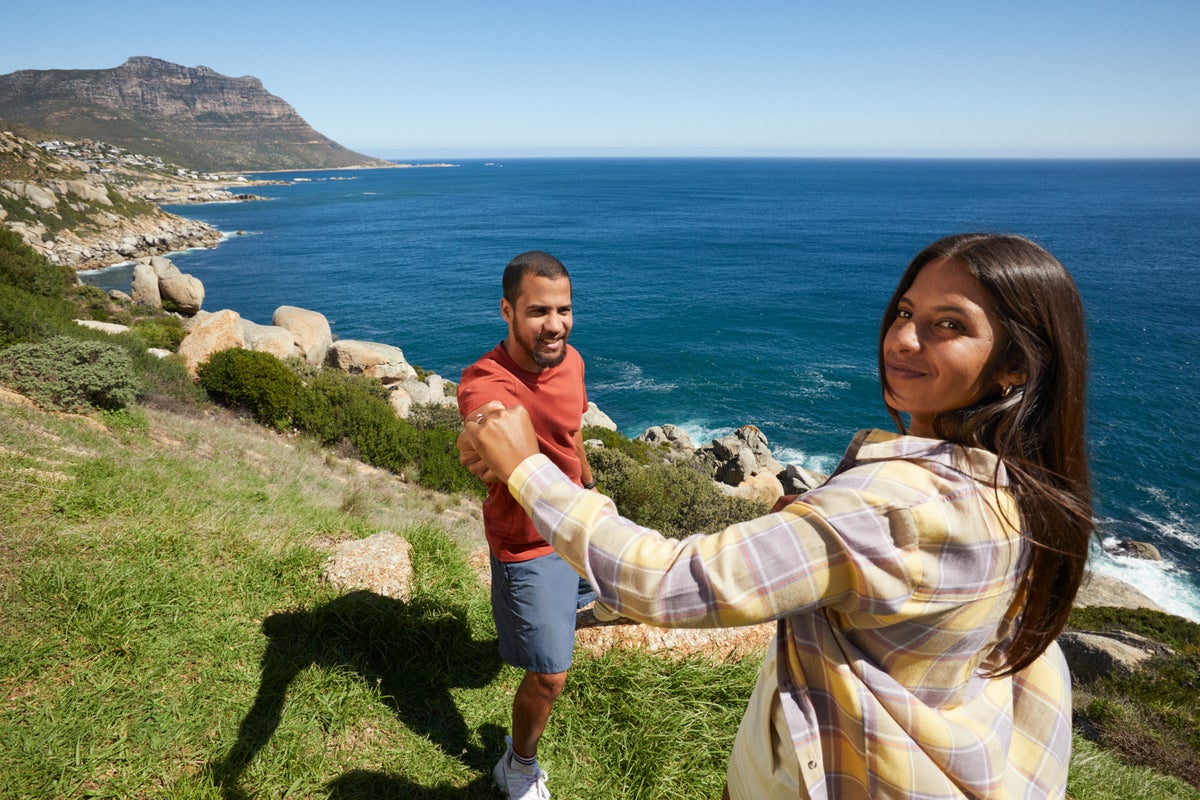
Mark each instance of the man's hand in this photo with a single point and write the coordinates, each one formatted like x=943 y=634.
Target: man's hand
x=466 y=450
x=495 y=441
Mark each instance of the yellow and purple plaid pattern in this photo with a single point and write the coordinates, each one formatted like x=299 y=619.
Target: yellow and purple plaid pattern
x=894 y=584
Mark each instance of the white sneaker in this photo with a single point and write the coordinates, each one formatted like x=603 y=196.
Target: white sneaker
x=517 y=781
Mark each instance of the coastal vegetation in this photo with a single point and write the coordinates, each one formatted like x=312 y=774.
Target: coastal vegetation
x=166 y=632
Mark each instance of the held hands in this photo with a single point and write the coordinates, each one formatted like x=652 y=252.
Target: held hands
x=495 y=440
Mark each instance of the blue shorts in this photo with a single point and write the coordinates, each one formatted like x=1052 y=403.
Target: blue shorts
x=534 y=604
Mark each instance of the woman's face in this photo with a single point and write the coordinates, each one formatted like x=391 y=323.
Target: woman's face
x=938 y=348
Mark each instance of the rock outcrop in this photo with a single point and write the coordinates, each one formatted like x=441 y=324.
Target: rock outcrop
x=81 y=218
x=383 y=361
x=310 y=332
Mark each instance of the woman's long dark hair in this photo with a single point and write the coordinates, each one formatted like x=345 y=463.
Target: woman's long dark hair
x=1037 y=429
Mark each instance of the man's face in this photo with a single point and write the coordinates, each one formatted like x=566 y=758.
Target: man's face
x=539 y=322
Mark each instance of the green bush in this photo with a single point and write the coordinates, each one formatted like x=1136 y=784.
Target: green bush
x=66 y=374
x=33 y=307
x=334 y=406
x=163 y=332
x=639 y=451
x=675 y=499
x=166 y=382
x=23 y=268
x=257 y=382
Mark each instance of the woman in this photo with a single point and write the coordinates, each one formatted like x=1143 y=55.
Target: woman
x=920 y=589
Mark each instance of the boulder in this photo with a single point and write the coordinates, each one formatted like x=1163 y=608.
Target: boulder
x=761 y=487
x=740 y=455
x=269 y=339
x=106 y=327
x=310 y=332
x=401 y=401
x=1093 y=655
x=186 y=292
x=430 y=391
x=672 y=438
x=1138 y=550
x=381 y=563
x=798 y=480
x=218 y=331
x=145 y=285
x=594 y=416
x=382 y=361
x=1101 y=590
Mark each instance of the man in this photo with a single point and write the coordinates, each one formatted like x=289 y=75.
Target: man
x=535 y=594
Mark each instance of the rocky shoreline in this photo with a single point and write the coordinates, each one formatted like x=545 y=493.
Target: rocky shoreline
x=86 y=208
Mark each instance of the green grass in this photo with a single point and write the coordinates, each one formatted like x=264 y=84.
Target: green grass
x=164 y=633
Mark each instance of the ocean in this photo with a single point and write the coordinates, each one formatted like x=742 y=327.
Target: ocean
x=712 y=293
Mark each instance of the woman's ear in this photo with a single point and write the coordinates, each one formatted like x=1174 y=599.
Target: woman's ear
x=1009 y=380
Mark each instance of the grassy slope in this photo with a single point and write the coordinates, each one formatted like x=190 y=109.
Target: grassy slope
x=165 y=633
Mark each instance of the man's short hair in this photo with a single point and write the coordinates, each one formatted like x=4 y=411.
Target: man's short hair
x=537 y=262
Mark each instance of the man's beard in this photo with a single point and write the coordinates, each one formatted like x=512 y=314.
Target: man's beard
x=544 y=360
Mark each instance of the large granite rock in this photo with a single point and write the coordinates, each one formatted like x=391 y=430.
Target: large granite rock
x=594 y=416
x=740 y=455
x=375 y=360
x=156 y=280
x=210 y=334
x=672 y=439
x=310 y=332
x=1093 y=655
x=269 y=339
x=144 y=288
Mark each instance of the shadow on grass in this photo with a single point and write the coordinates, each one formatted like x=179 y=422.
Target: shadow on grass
x=367 y=785
x=414 y=652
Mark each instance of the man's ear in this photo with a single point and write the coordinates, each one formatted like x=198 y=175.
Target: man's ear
x=506 y=310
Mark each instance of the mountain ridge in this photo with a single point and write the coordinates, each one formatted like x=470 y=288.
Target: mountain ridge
x=192 y=116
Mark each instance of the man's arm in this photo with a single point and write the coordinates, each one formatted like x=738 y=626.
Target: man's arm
x=585 y=469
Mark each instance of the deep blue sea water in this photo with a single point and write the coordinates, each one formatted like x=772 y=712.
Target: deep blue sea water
x=714 y=293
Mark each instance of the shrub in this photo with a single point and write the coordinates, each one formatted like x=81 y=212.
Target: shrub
x=23 y=268
x=639 y=451
x=32 y=304
x=675 y=499
x=437 y=464
x=165 y=382
x=334 y=406
x=163 y=332
x=66 y=374
x=257 y=382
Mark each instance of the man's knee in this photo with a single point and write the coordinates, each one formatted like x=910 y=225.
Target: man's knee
x=548 y=684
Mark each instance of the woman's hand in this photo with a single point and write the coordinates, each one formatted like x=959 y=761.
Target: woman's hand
x=495 y=441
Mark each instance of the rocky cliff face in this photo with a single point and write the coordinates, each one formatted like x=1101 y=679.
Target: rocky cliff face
x=191 y=116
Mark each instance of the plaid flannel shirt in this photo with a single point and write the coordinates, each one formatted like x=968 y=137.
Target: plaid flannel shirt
x=893 y=583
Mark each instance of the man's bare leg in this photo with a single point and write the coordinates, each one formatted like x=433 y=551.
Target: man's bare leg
x=531 y=709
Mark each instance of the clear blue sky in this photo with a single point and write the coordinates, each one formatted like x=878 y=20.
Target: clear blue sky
x=640 y=77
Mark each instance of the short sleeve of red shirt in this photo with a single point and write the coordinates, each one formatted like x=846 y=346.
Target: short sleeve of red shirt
x=556 y=400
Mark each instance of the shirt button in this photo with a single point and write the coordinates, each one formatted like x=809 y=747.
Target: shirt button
x=812 y=764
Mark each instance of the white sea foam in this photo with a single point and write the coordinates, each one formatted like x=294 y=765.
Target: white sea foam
x=630 y=377
x=1165 y=583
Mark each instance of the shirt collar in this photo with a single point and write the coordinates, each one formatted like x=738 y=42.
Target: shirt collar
x=880 y=445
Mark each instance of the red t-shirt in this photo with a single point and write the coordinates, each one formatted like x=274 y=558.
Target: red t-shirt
x=555 y=399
